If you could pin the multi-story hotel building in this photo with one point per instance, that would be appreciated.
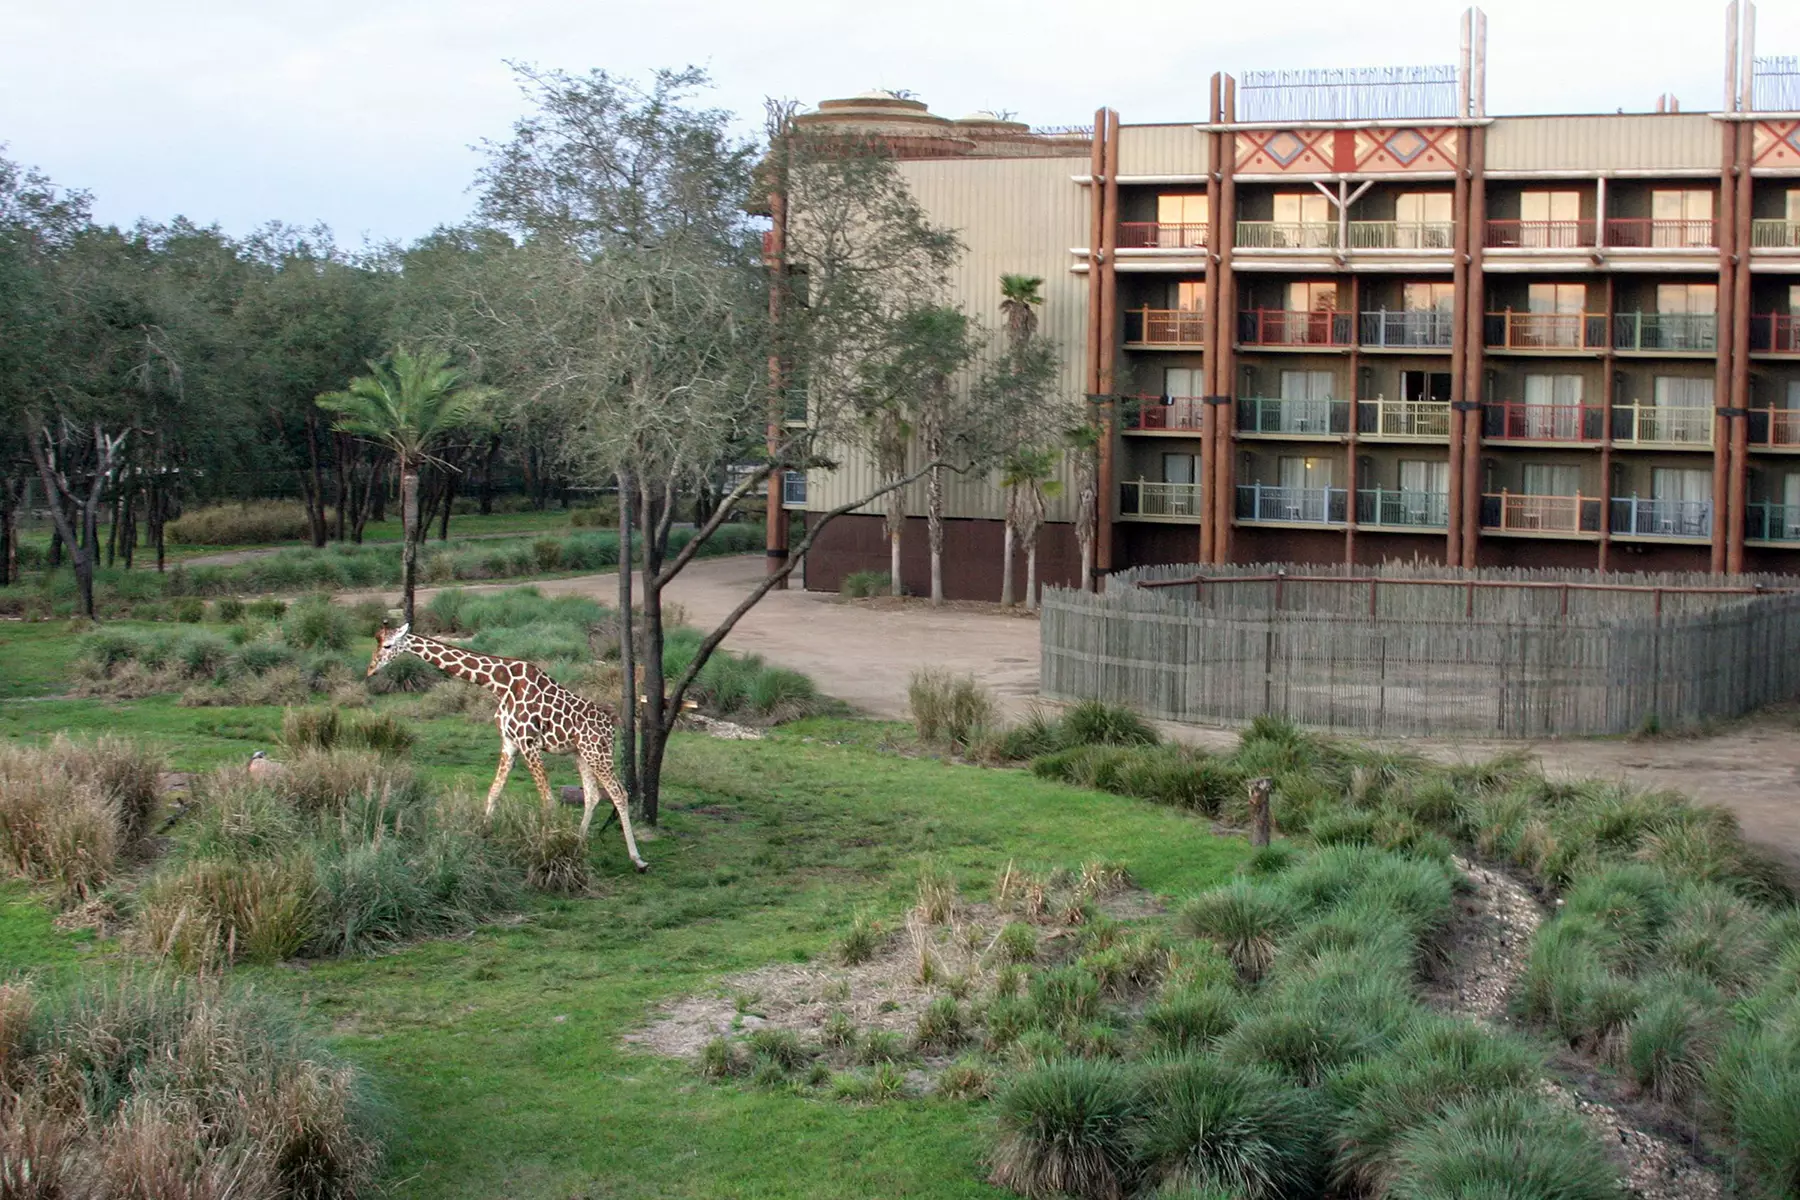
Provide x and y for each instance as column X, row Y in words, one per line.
column 1461, row 338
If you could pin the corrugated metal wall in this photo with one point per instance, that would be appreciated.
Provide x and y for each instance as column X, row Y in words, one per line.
column 1162, row 150
column 1015, row 216
column 1633, row 142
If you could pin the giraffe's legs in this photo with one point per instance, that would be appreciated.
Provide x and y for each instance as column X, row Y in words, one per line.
column 506, row 761
column 599, row 771
column 534, row 761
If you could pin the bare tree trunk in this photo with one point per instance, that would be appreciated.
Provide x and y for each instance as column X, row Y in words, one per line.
column 449, row 501
column 345, row 452
column 1031, row 583
column 627, row 756
column 409, row 542
column 1006, row 566
column 12, row 492
column 158, row 503
column 653, row 521
column 487, row 475
column 58, row 493
column 313, row 482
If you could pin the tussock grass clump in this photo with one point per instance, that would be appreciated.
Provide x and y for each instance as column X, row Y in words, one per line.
column 1067, row 1129
column 861, row 942
column 1017, row 943
column 311, row 728
column 1512, row 1144
column 253, row 522
column 1193, row 1018
column 1065, row 997
column 72, row 809
column 315, row 623
column 1244, row 919
column 943, row 1026
column 405, row 674
column 949, row 710
column 1568, row 985
column 1243, row 1131
column 1670, row 1042
column 860, row 585
column 550, row 850
column 1096, row 723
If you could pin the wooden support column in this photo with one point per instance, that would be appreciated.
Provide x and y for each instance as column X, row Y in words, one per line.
column 1096, row 220
column 1460, row 304
column 1727, row 238
column 1224, row 372
column 775, row 260
column 1473, row 358
column 1355, row 412
column 1209, row 330
column 1109, row 346
column 1737, row 492
column 1609, row 368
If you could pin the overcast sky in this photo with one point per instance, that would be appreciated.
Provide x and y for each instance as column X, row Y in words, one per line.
column 362, row 113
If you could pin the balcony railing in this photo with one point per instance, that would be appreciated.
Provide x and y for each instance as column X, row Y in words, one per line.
column 1307, row 506
column 1539, row 235
column 1546, row 331
column 1774, row 234
column 1636, row 517
column 1775, row 333
column 1294, row 327
column 1170, row 500
column 1665, row 331
column 1775, row 426
column 1159, row 235
column 1652, row 424
column 1402, row 235
column 1543, row 422
column 1426, row 420
column 793, row 489
column 1772, row 522
column 1168, row 412
column 1541, row 514
column 1651, row 233
column 1403, row 509
column 1165, row 327
column 1408, row 328
column 1270, row 415
column 1287, row 235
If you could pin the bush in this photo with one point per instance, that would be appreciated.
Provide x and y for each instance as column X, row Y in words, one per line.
column 1096, row 723
column 317, row 624
column 1067, row 1129
column 949, row 709
column 1170, row 775
column 942, row 1026
column 1243, row 919
column 551, row 851
column 250, row 523
column 861, row 942
column 190, row 610
column 1244, row 1131
column 310, row 729
column 1039, row 733
column 229, row 610
column 405, row 674
column 1670, row 1043
column 1192, row 1019
column 1567, row 985
column 1512, row 1145
column 379, row 732
column 1065, row 997
column 859, row 585
column 1017, row 943
column 266, row 609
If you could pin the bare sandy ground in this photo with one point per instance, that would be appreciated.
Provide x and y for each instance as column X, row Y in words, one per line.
column 864, row 651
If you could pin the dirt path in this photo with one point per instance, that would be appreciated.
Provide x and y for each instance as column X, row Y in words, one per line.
column 864, row 652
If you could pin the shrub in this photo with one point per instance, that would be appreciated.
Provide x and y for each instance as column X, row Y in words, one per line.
column 317, row 624
column 379, row 732
column 1567, row 985
column 1096, row 723
column 859, row 585
column 949, row 709
column 1512, row 1145
column 551, row 851
column 310, row 729
column 405, row 674
column 1669, row 1044
column 266, row 609
column 1066, row 1129
column 201, row 654
column 1017, row 943
column 230, row 610
column 1192, row 1019
column 781, row 1047
column 782, row 694
column 966, row 1079
column 189, row 610
column 1178, row 777
column 1243, row 919
column 1084, row 766
column 881, row 1046
column 722, row 1058
column 249, row 523
column 1716, row 934
column 1245, row 1131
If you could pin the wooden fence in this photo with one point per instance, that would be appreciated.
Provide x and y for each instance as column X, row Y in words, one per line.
column 1418, row 651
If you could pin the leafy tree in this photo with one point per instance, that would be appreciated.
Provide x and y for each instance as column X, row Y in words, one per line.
column 410, row 405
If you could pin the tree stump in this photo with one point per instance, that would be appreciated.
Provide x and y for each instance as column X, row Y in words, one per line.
column 1259, row 810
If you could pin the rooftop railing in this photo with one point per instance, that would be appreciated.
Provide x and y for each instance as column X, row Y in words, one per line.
column 1421, row 420
column 1403, row 509
column 1286, row 235
column 1402, row 235
column 1775, row 333
column 1539, row 235
column 1543, row 422
column 1637, row 517
column 1518, row 513
column 1665, row 331
column 1299, row 505
column 1167, row 412
column 1161, row 235
column 1654, row 233
column 1774, row 233
column 1662, row 424
column 1509, row 330
column 1165, row 327
column 1428, row 328
column 1175, row 501
column 1297, row 417
column 1294, row 327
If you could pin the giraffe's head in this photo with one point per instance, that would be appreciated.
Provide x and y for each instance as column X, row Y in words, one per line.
column 389, row 643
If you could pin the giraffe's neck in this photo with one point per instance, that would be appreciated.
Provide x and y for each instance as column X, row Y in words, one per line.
column 484, row 669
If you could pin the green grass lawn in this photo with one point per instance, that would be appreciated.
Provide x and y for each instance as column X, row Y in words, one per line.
column 500, row 1054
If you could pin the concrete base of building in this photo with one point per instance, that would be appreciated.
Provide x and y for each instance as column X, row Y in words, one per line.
column 973, row 550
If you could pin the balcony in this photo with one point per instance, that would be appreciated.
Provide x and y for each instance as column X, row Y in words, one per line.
column 1165, row 327
column 1662, row 518
column 1159, row 501
column 1662, row 425
column 1539, row 235
column 1159, row 235
column 1774, row 333
column 1775, row 427
column 1299, row 506
column 1511, row 512
column 1297, row 418
column 1403, row 509
column 1408, row 420
column 1294, row 327
column 1543, row 422
column 1395, row 330
column 1167, row 412
column 793, row 489
column 1774, row 234
column 1286, row 235
column 1666, row 331
column 1650, row 233
column 1510, row 330
column 1402, row 235
column 1772, row 522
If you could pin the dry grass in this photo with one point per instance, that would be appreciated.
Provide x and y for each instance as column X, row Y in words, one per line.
column 951, row 710
column 70, row 811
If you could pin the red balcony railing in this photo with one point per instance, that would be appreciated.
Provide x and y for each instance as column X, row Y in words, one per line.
column 1539, row 235
column 1546, row 331
column 1159, row 235
column 1775, row 333
column 1165, row 327
column 1166, row 412
column 1543, row 422
column 1651, row 233
column 1775, row 426
column 1294, row 327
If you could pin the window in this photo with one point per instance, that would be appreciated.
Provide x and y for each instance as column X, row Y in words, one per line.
column 1422, row 221
column 1312, row 297
column 1550, row 219
column 1426, row 297
column 1789, row 521
column 1683, row 485
column 1564, row 298
column 1428, row 478
column 1688, row 299
column 1188, row 295
column 1681, row 503
column 1681, row 218
column 1181, row 220
column 1181, row 382
column 1432, row 386
column 1303, row 219
column 1307, row 385
column 1305, row 472
column 1793, row 207
column 1306, row 398
column 1552, row 407
column 1675, row 392
column 1551, row 479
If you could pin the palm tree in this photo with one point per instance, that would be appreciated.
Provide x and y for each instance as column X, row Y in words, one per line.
column 408, row 404
column 1026, row 475
column 1019, row 299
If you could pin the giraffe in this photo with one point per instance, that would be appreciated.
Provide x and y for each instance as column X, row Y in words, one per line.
column 536, row 714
